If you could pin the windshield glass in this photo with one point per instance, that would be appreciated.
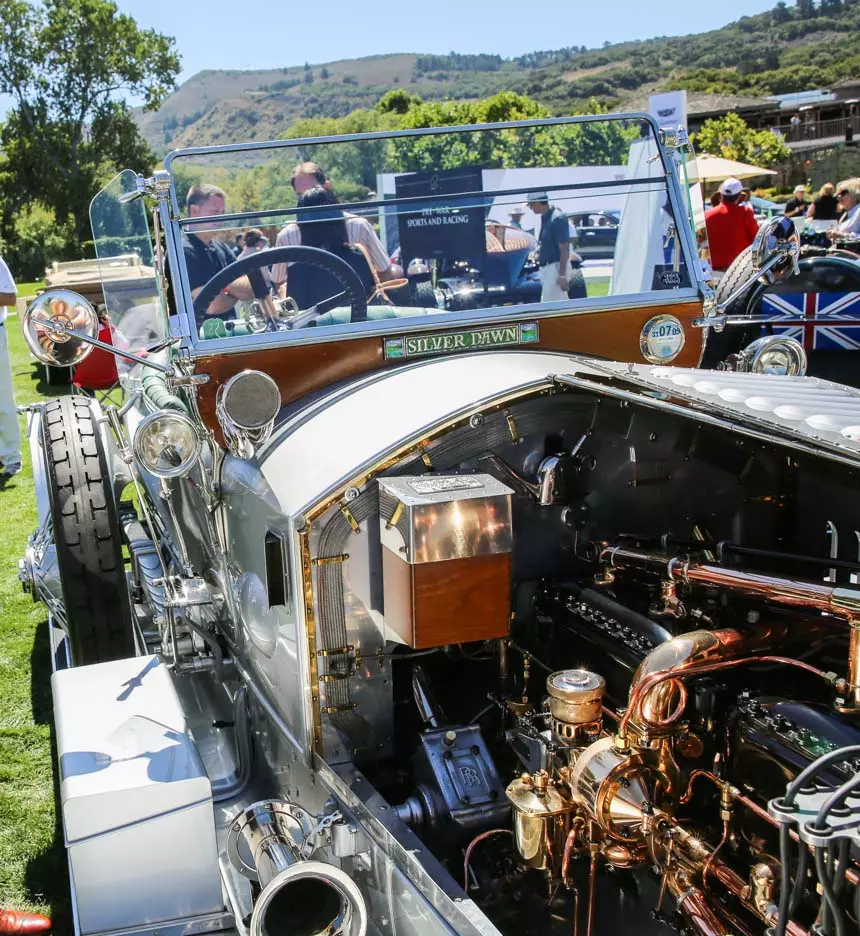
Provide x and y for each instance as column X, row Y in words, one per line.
column 132, row 301
column 533, row 216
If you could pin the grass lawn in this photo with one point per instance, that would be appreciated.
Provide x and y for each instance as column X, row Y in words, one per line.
column 32, row 859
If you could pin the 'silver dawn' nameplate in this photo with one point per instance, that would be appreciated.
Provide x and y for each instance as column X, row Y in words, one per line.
column 450, row 342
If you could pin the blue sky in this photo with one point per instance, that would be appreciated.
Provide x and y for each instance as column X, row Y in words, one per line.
column 277, row 33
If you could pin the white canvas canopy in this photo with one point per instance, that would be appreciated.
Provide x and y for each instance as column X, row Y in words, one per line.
column 707, row 168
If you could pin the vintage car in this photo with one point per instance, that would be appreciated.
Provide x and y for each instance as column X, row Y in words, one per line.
column 818, row 307
column 595, row 233
column 369, row 619
column 508, row 274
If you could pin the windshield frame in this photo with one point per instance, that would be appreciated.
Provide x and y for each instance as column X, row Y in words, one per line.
column 183, row 323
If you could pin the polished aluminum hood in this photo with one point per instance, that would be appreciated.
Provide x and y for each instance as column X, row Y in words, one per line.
column 351, row 428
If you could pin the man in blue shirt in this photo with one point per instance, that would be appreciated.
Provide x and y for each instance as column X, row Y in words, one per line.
column 553, row 247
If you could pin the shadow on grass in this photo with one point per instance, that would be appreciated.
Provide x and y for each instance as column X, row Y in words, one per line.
column 52, row 382
column 47, row 874
column 40, row 675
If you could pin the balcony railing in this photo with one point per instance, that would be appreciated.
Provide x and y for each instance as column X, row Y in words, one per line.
column 837, row 127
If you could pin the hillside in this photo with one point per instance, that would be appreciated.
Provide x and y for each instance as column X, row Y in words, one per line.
column 786, row 49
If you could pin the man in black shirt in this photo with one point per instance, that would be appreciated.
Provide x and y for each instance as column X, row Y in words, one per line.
column 205, row 256
column 797, row 205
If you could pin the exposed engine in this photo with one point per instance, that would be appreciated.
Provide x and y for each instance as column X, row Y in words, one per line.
column 661, row 724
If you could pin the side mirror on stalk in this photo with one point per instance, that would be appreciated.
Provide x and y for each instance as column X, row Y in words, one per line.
column 56, row 327
column 61, row 328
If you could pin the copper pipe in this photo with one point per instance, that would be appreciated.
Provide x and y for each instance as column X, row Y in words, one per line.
column 475, row 841
column 713, row 855
column 851, row 876
column 698, row 772
column 592, row 884
column 638, row 692
column 730, row 879
column 569, row 846
column 575, row 912
column 611, row 713
column 843, row 603
column 693, row 904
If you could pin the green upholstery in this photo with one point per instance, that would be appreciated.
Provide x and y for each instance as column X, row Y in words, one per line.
column 375, row 313
column 214, row 328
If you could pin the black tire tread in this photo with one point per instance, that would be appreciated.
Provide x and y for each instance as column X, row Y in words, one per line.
column 738, row 273
column 86, row 534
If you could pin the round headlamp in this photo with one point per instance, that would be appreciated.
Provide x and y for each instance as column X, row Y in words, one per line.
column 775, row 355
column 167, row 444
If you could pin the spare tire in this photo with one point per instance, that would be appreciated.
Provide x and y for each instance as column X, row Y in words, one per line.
column 86, row 534
column 733, row 338
column 737, row 274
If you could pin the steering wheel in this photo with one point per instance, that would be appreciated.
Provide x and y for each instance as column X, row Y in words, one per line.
column 353, row 289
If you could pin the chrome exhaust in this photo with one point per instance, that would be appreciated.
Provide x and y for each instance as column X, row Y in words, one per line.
column 271, row 842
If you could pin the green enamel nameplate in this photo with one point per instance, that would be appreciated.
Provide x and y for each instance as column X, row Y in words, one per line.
column 495, row 336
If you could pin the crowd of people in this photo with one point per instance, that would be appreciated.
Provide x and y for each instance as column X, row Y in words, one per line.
column 732, row 226
column 836, row 203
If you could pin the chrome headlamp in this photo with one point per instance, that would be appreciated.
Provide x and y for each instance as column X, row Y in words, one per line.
column 773, row 354
column 167, row 444
column 246, row 407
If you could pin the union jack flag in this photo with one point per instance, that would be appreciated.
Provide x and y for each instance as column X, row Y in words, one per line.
column 816, row 320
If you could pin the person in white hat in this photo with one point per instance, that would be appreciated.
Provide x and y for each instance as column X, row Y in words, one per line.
column 797, row 205
column 732, row 227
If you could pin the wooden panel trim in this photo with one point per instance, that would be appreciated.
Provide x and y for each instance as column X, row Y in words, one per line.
column 303, row 369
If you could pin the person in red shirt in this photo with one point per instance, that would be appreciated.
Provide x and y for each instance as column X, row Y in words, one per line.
column 732, row 227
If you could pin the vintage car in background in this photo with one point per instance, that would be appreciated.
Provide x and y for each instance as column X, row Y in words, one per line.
column 509, row 274
column 595, row 233
column 818, row 307
column 404, row 620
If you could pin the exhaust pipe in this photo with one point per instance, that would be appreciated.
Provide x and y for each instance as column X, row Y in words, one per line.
column 269, row 843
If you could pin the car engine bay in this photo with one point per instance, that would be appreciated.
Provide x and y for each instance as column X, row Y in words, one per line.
column 603, row 752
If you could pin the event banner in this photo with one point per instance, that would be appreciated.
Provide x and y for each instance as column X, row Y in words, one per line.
column 442, row 229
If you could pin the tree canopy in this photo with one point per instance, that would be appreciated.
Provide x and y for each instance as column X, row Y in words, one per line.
column 732, row 138
column 67, row 64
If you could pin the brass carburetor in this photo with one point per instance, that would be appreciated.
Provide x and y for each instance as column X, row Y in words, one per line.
column 593, row 793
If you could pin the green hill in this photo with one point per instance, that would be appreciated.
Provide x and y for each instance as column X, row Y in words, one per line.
column 793, row 48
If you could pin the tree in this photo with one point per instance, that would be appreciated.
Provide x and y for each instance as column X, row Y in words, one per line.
column 732, row 138
column 65, row 64
column 397, row 101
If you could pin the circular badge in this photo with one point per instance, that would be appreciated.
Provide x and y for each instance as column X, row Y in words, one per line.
column 662, row 339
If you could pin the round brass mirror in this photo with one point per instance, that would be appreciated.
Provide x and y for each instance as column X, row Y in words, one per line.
column 777, row 239
column 52, row 325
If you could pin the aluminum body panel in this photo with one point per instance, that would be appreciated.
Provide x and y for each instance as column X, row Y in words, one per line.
column 271, row 640
column 305, row 463
column 137, row 804
column 816, row 411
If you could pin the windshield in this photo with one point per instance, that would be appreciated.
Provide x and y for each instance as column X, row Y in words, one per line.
column 532, row 216
column 132, row 300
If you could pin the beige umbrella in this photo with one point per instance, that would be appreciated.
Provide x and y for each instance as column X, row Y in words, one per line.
column 707, row 168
